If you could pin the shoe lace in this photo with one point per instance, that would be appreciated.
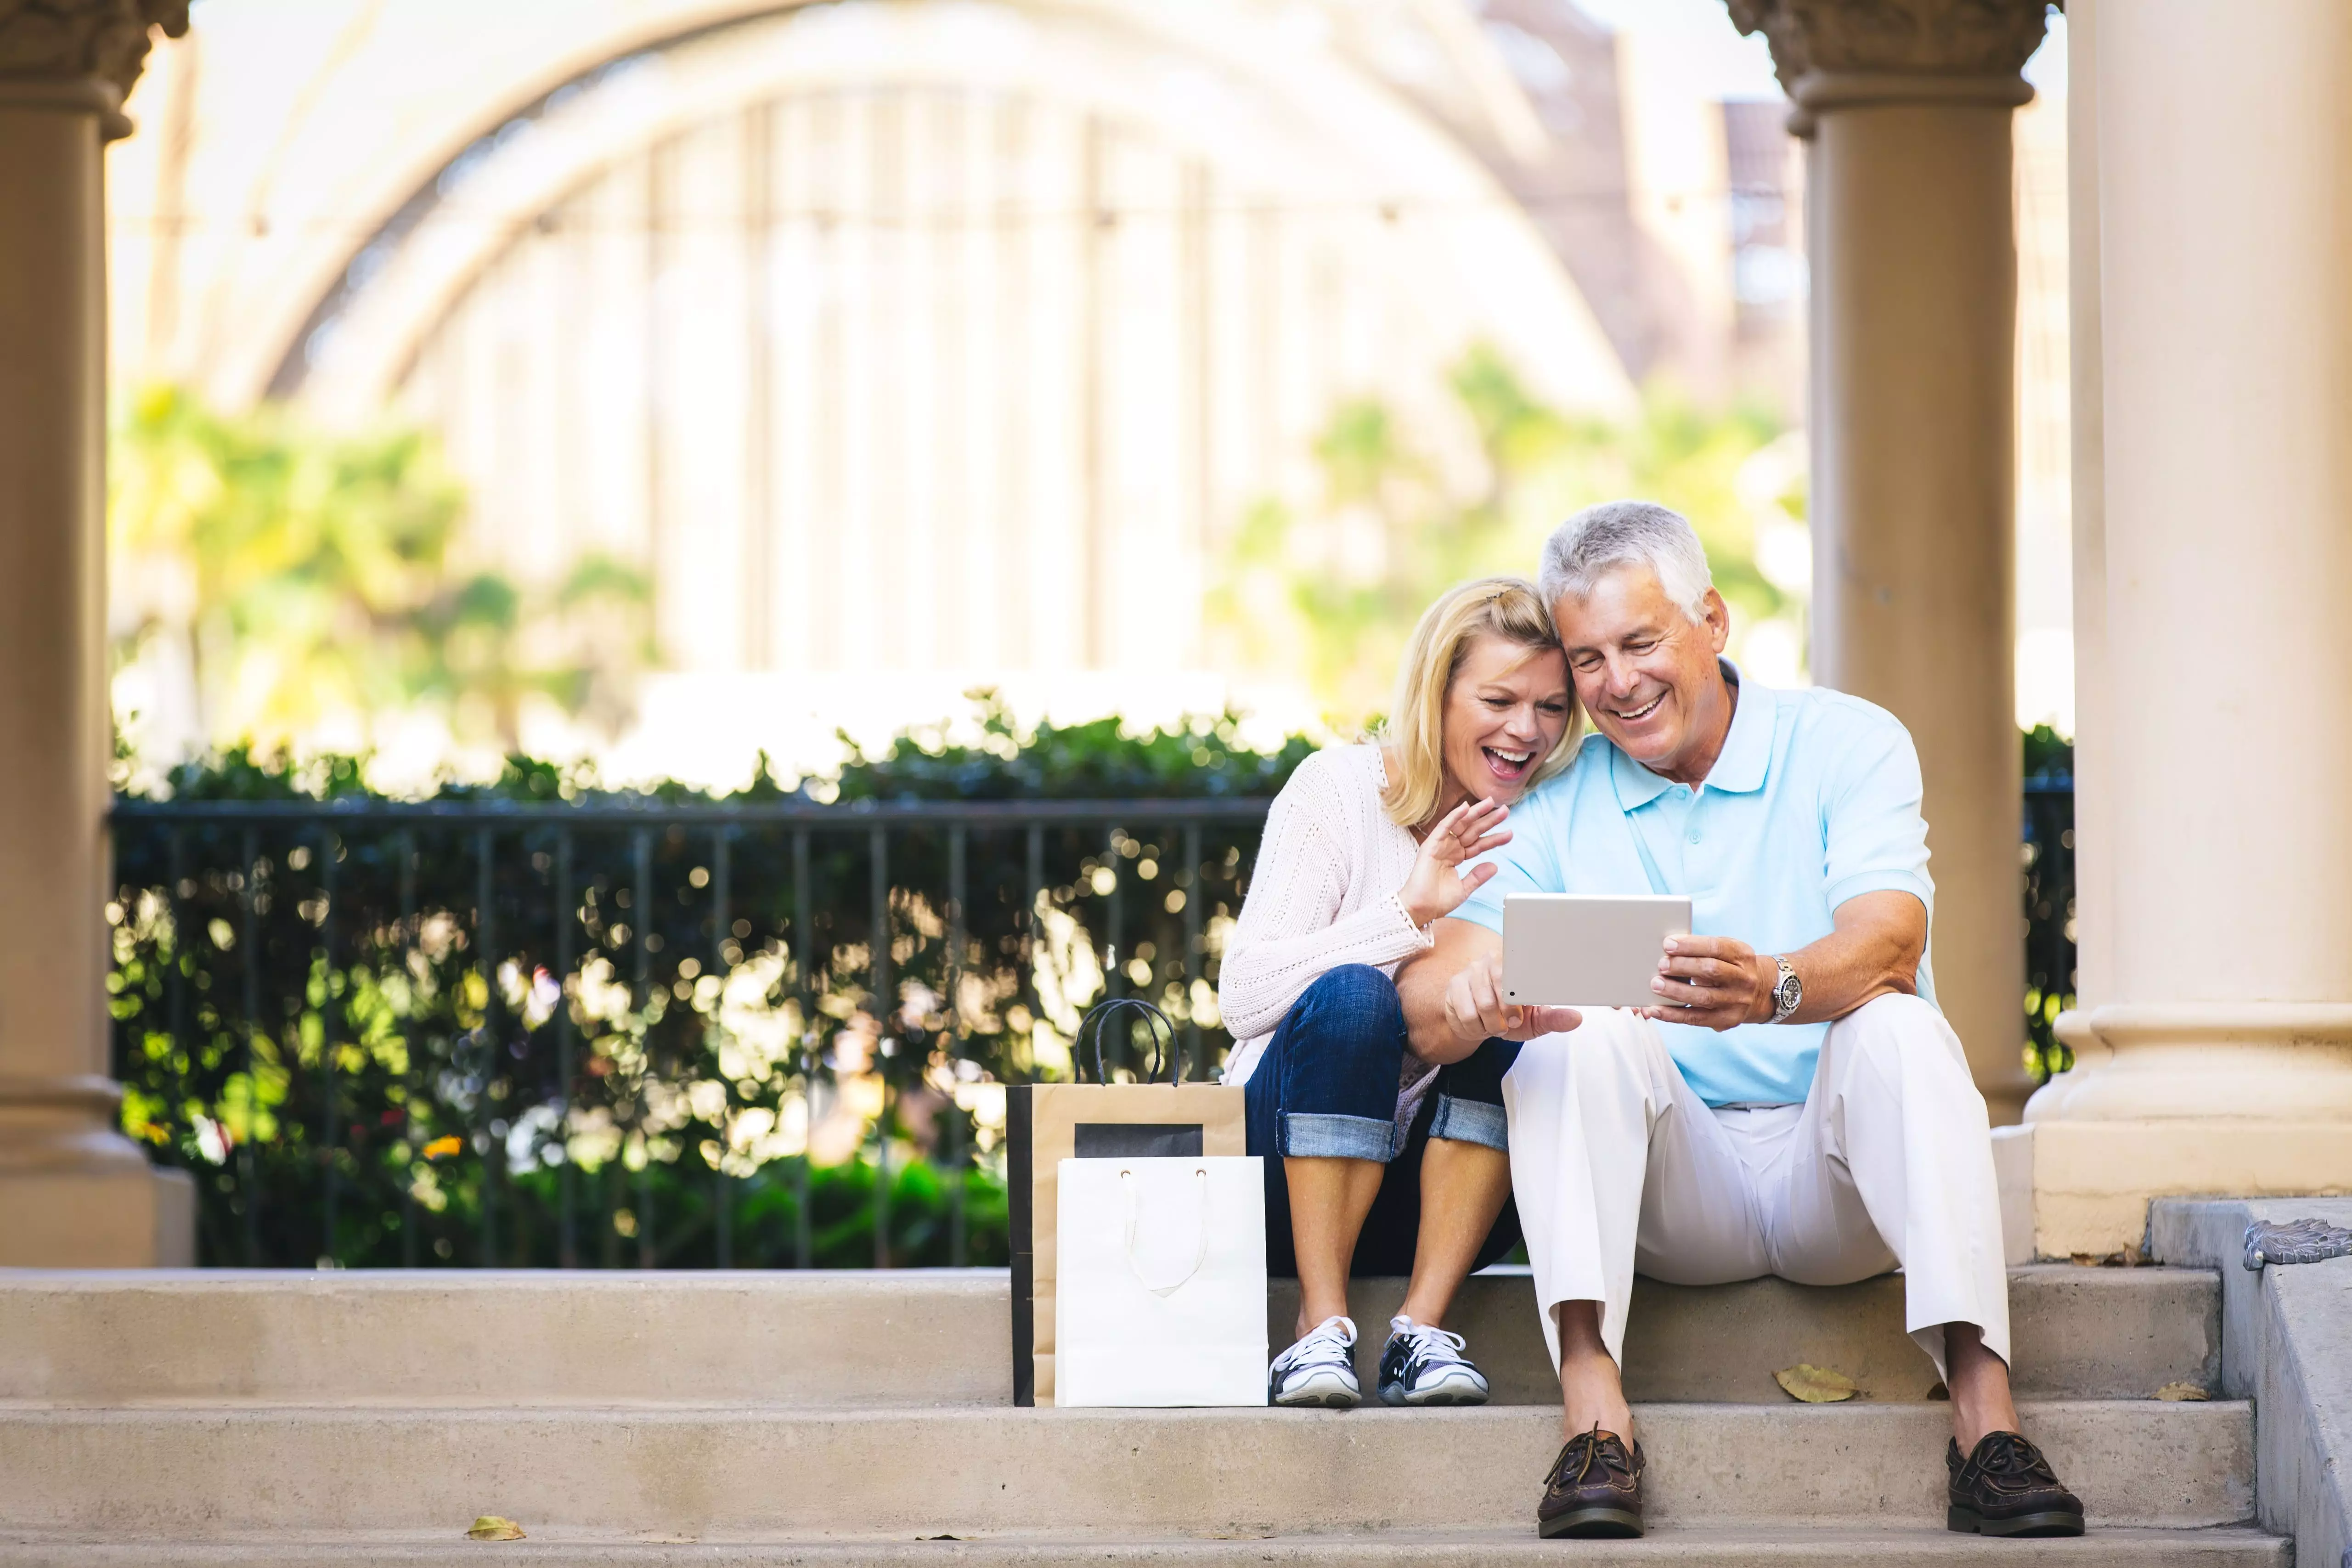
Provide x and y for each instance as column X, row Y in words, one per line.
column 1329, row 1340
column 1585, row 1449
column 2009, row 1454
column 1426, row 1343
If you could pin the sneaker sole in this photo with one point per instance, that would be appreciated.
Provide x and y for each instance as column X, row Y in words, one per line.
column 1591, row 1524
column 1322, row 1391
column 1451, row 1391
column 1968, row 1521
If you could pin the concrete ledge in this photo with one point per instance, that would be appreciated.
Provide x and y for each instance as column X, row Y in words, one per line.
column 2077, row 1334
column 2287, row 1343
column 937, row 1337
column 2227, row 1547
column 941, row 1337
column 662, row 1472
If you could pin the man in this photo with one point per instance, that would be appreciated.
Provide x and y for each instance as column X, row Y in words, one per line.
column 1793, row 1104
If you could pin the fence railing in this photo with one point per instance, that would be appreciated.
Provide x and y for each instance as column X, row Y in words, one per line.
column 508, row 1034
column 2047, row 850
column 664, row 1035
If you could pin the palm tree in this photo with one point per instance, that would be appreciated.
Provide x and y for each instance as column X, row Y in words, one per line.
column 306, row 580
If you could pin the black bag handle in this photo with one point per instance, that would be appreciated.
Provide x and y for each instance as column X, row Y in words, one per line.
column 1122, row 1006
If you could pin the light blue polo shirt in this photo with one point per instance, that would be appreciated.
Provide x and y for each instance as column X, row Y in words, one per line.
column 1814, row 799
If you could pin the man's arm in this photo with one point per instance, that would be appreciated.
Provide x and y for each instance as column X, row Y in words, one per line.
column 1453, row 996
column 1719, row 983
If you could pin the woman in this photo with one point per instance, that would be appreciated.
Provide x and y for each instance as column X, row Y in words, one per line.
column 1386, row 1163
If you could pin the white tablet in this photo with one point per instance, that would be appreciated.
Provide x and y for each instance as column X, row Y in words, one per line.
column 1578, row 949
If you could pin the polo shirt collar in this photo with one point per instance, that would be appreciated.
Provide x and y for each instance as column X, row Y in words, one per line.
column 1748, row 750
column 1738, row 768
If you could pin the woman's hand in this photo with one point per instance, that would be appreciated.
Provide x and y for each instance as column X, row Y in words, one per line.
column 1437, row 884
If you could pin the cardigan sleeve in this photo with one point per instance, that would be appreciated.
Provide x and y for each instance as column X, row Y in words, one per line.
column 1290, row 931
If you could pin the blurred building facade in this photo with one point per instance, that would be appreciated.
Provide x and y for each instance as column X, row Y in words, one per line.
column 917, row 346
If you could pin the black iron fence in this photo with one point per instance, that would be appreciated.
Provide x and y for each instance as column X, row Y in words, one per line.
column 2047, row 849
column 757, row 1034
column 516, row 1035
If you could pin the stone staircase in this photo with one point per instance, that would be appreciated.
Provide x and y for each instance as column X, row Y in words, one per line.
column 204, row 1421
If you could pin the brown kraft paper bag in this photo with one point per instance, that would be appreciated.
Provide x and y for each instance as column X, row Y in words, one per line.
column 1046, row 1123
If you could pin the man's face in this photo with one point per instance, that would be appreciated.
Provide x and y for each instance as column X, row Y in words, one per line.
column 1644, row 671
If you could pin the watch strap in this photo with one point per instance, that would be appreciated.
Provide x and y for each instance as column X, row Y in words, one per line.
column 1788, row 994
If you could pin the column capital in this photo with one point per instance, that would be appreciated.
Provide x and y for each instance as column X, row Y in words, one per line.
column 81, row 54
column 1832, row 53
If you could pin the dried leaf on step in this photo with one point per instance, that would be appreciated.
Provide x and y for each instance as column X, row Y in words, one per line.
column 490, row 1527
column 1937, row 1391
column 2179, row 1391
column 1815, row 1384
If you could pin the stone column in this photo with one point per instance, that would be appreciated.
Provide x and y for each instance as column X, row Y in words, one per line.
column 2218, row 1055
column 73, row 1191
column 1907, row 104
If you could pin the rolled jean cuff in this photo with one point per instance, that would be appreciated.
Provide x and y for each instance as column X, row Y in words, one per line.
column 1470, row 1121
column 1318, row 1135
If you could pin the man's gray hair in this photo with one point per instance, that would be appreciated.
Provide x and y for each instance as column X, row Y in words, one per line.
column 1601, row 539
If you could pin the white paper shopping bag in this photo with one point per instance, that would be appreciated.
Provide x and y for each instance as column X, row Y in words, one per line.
column 1162, row 1295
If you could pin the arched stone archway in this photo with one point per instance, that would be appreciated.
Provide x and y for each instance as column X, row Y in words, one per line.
column 997, row 316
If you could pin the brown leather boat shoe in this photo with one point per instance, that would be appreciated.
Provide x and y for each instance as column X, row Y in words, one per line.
column 2006, row 1487
column 1594, row 1488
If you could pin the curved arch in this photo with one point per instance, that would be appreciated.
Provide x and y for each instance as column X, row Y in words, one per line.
column 377, row 139
column 1322, row 139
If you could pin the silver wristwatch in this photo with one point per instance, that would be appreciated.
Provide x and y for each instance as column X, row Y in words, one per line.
column 1788, row 993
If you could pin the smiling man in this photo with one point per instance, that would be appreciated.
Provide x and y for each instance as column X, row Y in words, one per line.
column 1793, row 1104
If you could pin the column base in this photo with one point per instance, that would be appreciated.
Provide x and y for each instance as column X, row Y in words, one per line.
column 2248, row 1100
column 2093, row 1181
column 142, row 1218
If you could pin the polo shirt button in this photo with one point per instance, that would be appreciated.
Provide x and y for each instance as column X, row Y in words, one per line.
column 1694, row 837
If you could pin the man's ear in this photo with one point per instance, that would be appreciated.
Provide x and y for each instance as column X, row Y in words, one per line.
column 1717, row 621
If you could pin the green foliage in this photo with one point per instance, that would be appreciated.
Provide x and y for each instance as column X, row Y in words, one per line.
column 314, row 578
column 1099, row 759
column 1335, row 592
column 2049, row 858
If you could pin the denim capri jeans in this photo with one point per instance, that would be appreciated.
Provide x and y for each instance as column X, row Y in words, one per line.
column 1327, row 1086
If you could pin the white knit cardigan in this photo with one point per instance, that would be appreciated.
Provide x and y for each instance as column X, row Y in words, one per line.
column 1323, row 893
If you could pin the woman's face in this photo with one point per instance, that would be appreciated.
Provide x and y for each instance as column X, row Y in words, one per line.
column 1505, row 709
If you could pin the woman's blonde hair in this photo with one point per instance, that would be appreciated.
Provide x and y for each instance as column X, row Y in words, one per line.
column 1506, row 607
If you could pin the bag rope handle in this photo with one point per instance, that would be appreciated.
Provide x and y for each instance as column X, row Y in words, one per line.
column 1122, row 1006
column 1200, row 1254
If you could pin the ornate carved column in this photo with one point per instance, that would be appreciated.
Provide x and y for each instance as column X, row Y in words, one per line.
column 73, row 1191
column 2215, row 1043
column 1906, row 106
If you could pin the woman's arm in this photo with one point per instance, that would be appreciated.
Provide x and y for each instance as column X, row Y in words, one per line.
column 1290, row 931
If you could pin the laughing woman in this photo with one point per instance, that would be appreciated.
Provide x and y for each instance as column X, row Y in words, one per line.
column 1388, row 1164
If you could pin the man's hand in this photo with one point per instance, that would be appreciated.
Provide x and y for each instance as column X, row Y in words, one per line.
column 1475, row 1008
column 1714, row 983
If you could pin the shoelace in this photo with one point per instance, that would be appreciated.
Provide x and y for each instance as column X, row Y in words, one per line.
column 1329, row 1340
column 1426, row 1343
column 2008, row 1455
column 1585, row 1447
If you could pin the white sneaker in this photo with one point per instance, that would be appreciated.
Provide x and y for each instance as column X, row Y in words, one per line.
column 1424, row 1365
column 1320, row 1370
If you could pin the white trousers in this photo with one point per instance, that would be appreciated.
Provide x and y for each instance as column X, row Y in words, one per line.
column 1618, row 1167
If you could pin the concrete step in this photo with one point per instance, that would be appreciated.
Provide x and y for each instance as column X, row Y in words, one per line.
column 498, row 1337
column 2077, row 1333
column 944, row 1337
column 2227, row 1547
column 670, row 1470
